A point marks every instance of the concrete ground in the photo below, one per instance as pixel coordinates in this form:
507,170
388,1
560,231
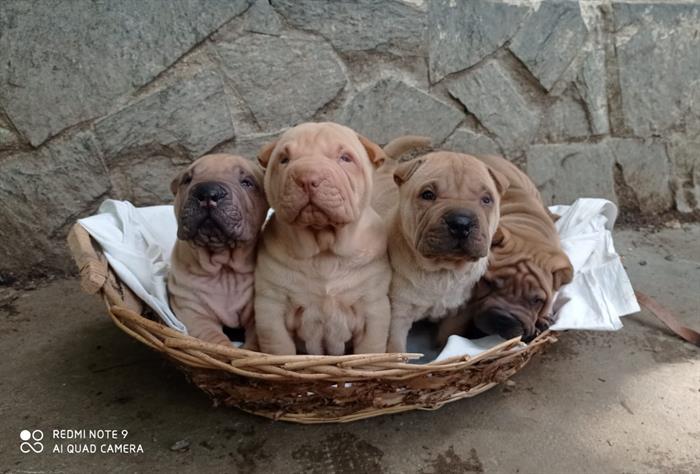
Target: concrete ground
595,402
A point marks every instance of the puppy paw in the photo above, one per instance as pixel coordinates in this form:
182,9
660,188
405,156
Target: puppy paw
215,337
543,323
370,349
394,346
251,340
251,345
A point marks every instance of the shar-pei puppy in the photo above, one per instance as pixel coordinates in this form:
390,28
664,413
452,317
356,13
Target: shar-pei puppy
444,215
322,278
220,207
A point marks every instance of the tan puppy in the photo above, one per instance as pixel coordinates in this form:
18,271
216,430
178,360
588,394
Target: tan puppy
527,266
323,275
220,207
441,233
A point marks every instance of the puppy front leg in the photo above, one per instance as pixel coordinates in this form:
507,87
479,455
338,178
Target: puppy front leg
377,317
402,317
452,324
311,331
251,339
544,322
248,323
205,329
271,330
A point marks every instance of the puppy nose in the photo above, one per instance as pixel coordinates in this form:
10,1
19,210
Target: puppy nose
500,322
209,194
309,181
459,225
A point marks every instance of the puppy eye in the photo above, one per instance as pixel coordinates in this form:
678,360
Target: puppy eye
346,158
187,179
284,160
428,195
536,300
247,183
486,200
494,283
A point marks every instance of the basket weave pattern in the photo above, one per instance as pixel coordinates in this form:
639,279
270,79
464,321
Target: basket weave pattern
301,388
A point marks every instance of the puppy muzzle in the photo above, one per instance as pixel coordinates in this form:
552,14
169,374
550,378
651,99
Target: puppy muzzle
311,198
210,217
505,322
457,235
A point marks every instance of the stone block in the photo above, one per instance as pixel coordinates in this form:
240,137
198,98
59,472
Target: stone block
491,94
564,173
42,193
283,80
390,108
62,63
462,33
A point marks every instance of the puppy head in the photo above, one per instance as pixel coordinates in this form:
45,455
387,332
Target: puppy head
510,300
319,175
219,201
449,206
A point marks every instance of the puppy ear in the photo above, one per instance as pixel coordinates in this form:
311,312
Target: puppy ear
499,237
258,172
175,183
398,146
562,271
553,216
501,181
487,285
406,169
265,152
374,151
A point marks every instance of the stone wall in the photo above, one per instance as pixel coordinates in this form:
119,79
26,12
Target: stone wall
110,99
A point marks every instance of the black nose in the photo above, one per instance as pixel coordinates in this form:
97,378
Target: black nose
459,225
499,322
209,194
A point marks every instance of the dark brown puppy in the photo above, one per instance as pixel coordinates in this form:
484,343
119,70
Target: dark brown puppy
526,267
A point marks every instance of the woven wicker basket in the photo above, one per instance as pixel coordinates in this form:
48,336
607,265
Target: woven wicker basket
301,388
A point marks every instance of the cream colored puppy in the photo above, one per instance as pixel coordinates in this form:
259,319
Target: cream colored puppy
322,277
441,230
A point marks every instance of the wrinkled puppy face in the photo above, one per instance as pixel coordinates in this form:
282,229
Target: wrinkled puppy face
319,175
219,201
449,206
516,300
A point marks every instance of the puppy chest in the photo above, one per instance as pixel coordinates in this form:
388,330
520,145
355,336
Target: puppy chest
347,281
330,320
436,294
226,296
447,301
329,306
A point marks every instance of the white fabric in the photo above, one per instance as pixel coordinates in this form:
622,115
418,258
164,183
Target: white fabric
138,241
137,244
